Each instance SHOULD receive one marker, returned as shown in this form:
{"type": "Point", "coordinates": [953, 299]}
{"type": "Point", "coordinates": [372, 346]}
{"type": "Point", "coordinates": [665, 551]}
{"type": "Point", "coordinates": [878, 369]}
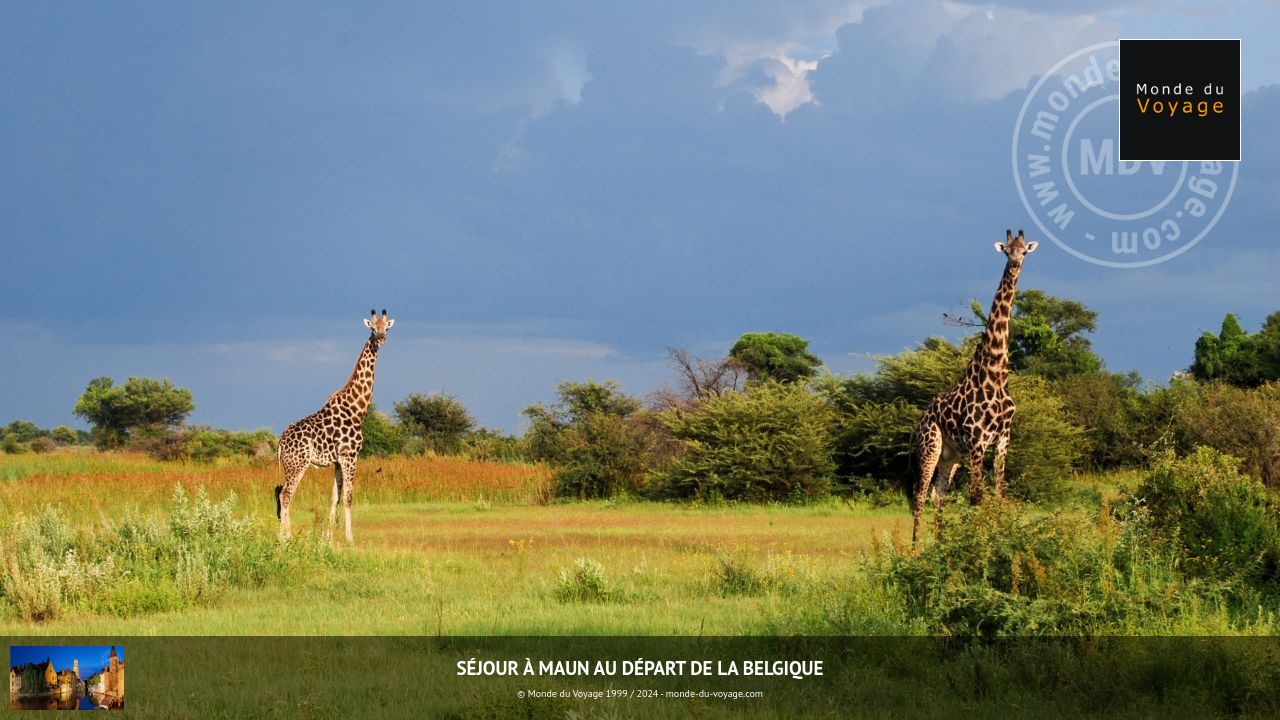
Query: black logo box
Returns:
{"type": "Point", "coordinates": [1187, 68]}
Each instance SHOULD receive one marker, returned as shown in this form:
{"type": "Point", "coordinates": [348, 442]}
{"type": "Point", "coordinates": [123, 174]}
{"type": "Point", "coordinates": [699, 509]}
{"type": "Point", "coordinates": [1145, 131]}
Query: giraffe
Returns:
{"type": "Point", "coordinates": [961, 424]}
{"type": "Point", "coordinates": [332, 435]}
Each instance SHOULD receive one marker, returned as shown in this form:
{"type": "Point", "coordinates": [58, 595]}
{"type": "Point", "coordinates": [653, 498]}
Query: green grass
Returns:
{"type": "Point", "coordinates": [449, 568]}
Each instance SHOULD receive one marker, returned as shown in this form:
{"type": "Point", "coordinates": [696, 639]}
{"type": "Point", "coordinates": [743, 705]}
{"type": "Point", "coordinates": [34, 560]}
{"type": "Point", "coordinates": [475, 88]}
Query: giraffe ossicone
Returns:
{"type": "Point", "coordinates": [976, 415]}
{"type": "Point", "coordinates": [332, 435]}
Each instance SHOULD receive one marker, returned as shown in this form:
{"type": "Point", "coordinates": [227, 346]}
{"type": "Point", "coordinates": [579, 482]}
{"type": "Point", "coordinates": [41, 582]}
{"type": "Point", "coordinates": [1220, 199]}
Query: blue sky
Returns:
{"type": "Point", "coordinates": [549, 191]}
{"type": "Point", "coordinates": [92, 657]}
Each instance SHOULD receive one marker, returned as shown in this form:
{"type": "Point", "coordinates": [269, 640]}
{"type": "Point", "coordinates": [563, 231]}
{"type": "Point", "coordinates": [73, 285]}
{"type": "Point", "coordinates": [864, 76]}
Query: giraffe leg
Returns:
{"type": "Point", "coordinates": [284, 496]}
{"type": "Point", "coordinates": [1002, 449]}
{"type": "Point", "coordinates": [977, 481]}
{"type": "Point", "coordinates": [945, 476]}
{"type": "Point", "coordinates": [348, 489]}
{"type": "Point", "coordinates": [928, 452]}
{"type": "Point", "coordinates": [333, 504]}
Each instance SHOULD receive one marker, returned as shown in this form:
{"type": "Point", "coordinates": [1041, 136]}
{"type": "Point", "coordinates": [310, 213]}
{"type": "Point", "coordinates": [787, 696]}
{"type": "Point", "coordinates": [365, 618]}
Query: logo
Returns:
{"type": "Point", "coordinates": [1082, 196]}
{"type": "Point", "coordinates": [1180, 100]}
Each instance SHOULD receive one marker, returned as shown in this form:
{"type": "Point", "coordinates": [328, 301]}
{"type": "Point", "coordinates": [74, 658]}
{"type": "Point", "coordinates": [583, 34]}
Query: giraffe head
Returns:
{"type": "Point", "coordinates": [1016, 248]}
{"type": "Point", "coordinates": [379, 326]}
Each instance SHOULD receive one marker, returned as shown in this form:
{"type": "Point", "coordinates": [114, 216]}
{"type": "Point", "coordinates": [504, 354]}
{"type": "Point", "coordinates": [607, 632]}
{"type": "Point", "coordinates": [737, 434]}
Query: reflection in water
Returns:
{"type": "Point", "coordinates": [64, 702]}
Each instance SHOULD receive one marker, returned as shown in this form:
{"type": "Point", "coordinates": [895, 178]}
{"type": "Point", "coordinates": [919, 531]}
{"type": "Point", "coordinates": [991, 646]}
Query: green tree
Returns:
{"type": "Point", "coordinates": [141, 403]}
{"type": "Point", "coordinates": [1237, 357]}
{"type": "Point", "coordinates": [64, 435]}
{"type": "Point", "coordinates": [1116, 415]}
{"type": "Point", "coordinates": [596, 438]}
{"type": "Point", "coordinates": [775, 356]}
{"type": "Point", "coordinates": [381, 436]}
{"type": "Point", "coordinates": [440, 420]}
{"type": "Point", "coordinates": [1047, 335]}
{"type": "Point", "coordinates": [24, 431]}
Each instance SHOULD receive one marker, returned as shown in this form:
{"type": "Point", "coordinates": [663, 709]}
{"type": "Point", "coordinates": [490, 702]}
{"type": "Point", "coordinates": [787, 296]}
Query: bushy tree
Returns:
{"type": "Point", "coordinates": [1044, 445]}
{"type": "Point", "coordinates": [1119, 420]}
{"type": "Point", "coordinates": [772, 442]}
{"type": "Point", "coordinates": [875, 413]}
{"type": "Point", "coordinates": [781, 357]}
{"type": "Point", "coordinates": [442, 421]}
{"type": "Point", "coordinates": [1244, 423]}
{"type": "Point", "coordinates": [64, 435]}
{"type": "Point", "coordinates": [116, 411]}
{"type": "Point", "coordinates": [381, 436]}
{"type": "Point", "coordinates": [23, 430]}
{"type": "Point", "coordinates": [597, 439]}
{"type": "Point", "coordinates": [1237, 357]}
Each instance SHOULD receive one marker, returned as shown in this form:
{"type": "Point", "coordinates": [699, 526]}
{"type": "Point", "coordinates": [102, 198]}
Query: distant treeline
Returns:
{"type": "Point", "coordinates": [765, 422]}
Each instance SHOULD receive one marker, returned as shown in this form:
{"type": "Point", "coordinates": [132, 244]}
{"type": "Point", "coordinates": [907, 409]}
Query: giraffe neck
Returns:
{"type": "Point", "coordinates": [357, 394]}
{"type": "Point", "coordinates": [992, 356]}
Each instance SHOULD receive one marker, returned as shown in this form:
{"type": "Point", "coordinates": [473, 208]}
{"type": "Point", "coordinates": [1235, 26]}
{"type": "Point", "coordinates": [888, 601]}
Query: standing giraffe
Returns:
{"type": "Point", "coordinates": [332, 435]}
{"type": "Point", "coordinates": [975, 415]}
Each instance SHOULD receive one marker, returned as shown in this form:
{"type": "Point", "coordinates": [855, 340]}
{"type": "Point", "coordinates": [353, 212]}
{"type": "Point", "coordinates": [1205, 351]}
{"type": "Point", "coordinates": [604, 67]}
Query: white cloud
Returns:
{"type": "Point", "coordinates": [991, 52]}
{"type": "Point", "coordinates": [901, 52]}
{"type": "Point", "coordinates": [790, 88]}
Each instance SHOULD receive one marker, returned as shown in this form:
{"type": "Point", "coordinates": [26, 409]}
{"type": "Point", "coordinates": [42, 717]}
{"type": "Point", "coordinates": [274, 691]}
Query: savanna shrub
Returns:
{"type": "Point", "coordinates": [584, 582]}
{"type": "Point", "coordinates": [11, 445]}
{"type": "Point", "coordinates": [734, 575]}
{"type": "Point", "coordinates": [1221, 523]}
{"type": "Point", "coordinates": [1241, 422]}
{"type": "Point", "coordinates": [1044, 446]}
{"type": "Point", "coordinates": [772, 442]}
{"type": "Point", "coordinates": [205, 444]}
{"type": "Point", "coordinates": [597, 439]}
{"type": "Point", "coordinates": [1003, 569]}
{"type": "Point", "coordinates": [602, 456]}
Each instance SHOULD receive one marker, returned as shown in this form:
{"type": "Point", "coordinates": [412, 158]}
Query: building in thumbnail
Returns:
{"type": "Point", "coordinates": [111, 680]}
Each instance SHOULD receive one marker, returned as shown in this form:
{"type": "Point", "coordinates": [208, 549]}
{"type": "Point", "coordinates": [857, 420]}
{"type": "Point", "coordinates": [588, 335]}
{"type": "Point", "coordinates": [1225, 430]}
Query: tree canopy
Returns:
{"type": "Point", "coordinates": [116, 411]}
{"type": "Point", "coordinates": [781, 357]}
{"type": "Point", "coordinates": [441, 420]}
{"type": "Point", "coordinates": [1238, 357]}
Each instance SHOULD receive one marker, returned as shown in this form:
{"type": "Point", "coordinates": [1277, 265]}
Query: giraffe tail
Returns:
{"type": "Point", "coordinates": [279, 489]}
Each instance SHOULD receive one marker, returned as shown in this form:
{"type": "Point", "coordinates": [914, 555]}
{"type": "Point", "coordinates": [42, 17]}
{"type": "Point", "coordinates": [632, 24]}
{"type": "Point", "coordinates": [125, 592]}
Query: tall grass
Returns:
{"type": "Point", "coordinates": [197, 551]}
{"type": "Point", "coordinates": [75, 461]}
{"type": "Point", "coordinates": [113, 481]}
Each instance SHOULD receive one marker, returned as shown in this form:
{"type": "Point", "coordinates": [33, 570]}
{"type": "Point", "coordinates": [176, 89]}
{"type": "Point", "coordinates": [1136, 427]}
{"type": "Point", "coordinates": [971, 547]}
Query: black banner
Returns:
{"type": "Point", "coordinates": [682, 677]}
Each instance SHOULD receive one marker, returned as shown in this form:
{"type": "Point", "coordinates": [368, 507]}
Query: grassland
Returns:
{"type": "Point", "coordinates": [451, 556]}
{"type": "Point", "coordinates": [446, 546]}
